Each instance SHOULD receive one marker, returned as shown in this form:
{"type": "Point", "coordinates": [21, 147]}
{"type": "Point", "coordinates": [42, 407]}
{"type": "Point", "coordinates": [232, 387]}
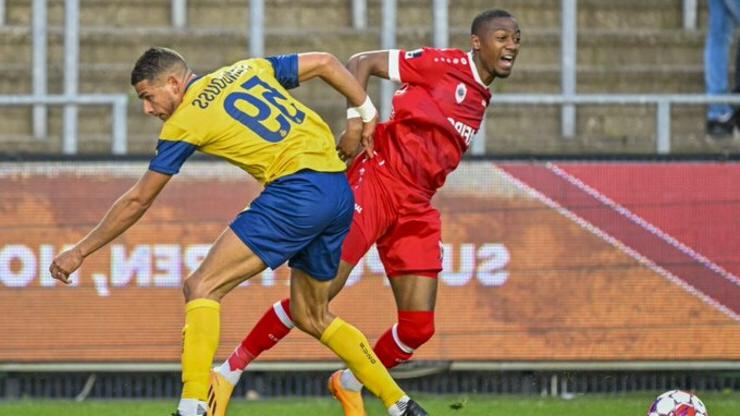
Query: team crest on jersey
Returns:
{"type": "Point", "coordinates": [414, 54]}
{"type": "Point", "coordinates": [460, 92]}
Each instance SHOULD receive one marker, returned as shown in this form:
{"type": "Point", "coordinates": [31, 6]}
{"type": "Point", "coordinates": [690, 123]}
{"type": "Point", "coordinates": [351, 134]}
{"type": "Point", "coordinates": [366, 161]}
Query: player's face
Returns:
{"type": "Point", "coordinates": [497, 47]}
{"type": "Point", "coordinates": [160, 97]}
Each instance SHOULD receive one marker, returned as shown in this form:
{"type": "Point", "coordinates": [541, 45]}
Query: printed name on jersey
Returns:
{"type": "Point", "coordinates": [216, 86]}
{"type": "Point", "coordinates": [460, 92]}
{"type": "Point", "coordinates": [414, 54]}
{"type": "Point", "coordinates": [465, 131]}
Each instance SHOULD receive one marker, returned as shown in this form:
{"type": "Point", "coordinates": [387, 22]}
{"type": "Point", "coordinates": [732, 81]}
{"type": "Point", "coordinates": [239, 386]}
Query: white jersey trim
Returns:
{"type": "Point", "coordinates": [474, 70]}
{"type": "Point", "coordinates": [394, 71]}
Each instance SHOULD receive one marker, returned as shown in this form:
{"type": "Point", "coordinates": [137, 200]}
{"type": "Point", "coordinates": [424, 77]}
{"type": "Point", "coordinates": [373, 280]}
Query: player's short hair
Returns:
{"type": "Point", "coordinates": [480, 21]}
{"type": "Point", "coordinates": [154, 62]}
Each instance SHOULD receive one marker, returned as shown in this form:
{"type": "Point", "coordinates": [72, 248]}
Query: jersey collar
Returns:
{"type": "Point", "coordinates": [192, 81]}
{"type": "Point", "coordinates": [474, 70]}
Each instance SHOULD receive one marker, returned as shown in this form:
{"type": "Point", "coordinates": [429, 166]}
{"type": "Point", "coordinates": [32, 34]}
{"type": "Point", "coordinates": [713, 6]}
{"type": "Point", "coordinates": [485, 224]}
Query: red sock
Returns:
{"type": "Point", "coordinates": [398, 343]}
{"type": "Point", "coordinates": [274, 325]}
{"type": "Point", "coordinates": [389, 352]}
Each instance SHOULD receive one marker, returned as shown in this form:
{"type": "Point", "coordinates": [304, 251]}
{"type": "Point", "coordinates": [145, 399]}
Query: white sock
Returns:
{"type": "Point", "coordinates": [192, 407]}
{"type": "Point", "coordinates": [232, 376]}
{"type": "Point", "coordinates": [349, 381]}
{"type": "Point", "coordinates": [400, 406]}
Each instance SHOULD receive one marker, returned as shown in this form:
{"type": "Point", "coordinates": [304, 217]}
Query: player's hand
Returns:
{"type": "Point", "coordinates": [65, 264]}
{"type": "Point", "coordinates": [368, 129]}
{"type": "Point", "coordinates": [349, 142]}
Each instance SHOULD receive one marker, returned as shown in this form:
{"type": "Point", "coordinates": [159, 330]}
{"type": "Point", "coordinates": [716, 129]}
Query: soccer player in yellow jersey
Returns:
{"type": "Point", "coordinates": [244, 114]}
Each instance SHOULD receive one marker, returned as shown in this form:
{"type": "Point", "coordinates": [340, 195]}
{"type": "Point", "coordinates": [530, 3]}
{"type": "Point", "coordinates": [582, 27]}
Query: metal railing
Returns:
{"type": "Point", "coordinates": [359, 14]}
{"type": "Point", "coordinates": [441, 27]}
{"type": "Point", "coordinates": [256, 28]}
{"type": "Point", "coordinates": [689, 14]}
{"type": "Point", "coordinates": [568, 64]}
{"type": "Point", "coordinates": [662, 101]}
{"type": "Point", "coordinates": [387, 41]}
{"type": "Point", "coordinates": [154, 380]}
{"type": "Point", "coordinates": [119, 102]}
{"type": "Point", "coordinates": [179, 13]}
{"type": "Point", "coordinates": [39, 71]}
{"type": "Point", "coordinates": [71, 72]}
{"type": "Point", "coordinates": [567, 100]}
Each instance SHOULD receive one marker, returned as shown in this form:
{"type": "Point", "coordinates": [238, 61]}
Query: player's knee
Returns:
{"type": "Point", "coordinates": [188, 287]}
{"type": "Point", "coordinates": [193, 288]}
{"type": "Point", "coordinates": [343, 272]}
{"type": "Point", "coordinates": [310, 320]}
{"type": "Point", "coordinates": [416, 328]}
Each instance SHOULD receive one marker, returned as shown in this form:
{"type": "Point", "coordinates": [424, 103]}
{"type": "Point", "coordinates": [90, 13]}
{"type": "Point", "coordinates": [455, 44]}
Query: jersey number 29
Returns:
{"type": "Point", "coordinates": [269, 110]}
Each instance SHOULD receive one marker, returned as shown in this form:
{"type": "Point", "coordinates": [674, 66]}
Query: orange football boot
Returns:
{"type": "Point", "coordinates": [351, 400]}
{"type": "Point", "coordinates": [219, 394]}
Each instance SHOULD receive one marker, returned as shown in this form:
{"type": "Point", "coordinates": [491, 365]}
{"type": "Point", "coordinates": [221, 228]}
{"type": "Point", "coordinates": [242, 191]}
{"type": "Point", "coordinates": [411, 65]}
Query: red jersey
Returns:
{"type": "Point", "coordinates": [436, 113]}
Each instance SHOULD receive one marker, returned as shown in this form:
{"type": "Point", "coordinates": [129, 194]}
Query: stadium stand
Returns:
{"type": "Point", "coordinates": [622, 49]}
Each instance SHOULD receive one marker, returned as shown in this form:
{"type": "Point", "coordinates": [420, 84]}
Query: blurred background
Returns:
{"type": "Point", "coordinates": [592, 235]}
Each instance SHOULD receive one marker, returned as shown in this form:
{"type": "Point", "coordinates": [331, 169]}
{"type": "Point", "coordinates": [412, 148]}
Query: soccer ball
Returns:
{"type": "Point", "coordinates": [677, 403]}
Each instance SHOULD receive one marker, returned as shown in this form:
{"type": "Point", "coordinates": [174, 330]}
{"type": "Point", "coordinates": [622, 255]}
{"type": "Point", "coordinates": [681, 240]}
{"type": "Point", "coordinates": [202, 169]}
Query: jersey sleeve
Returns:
{"type": "Point", "coordinates": [413, 67]}
{"type": "Point", "coordinates": [170, 156]}
{"type": "Point", "coordinates": [176, 144]}
{"type": "Point", "coordinates": [286, 69]}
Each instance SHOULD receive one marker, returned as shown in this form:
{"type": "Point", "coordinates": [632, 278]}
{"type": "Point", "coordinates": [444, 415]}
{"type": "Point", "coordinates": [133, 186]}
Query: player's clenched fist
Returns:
{"type": "Point", "coordinates": [65, 264]}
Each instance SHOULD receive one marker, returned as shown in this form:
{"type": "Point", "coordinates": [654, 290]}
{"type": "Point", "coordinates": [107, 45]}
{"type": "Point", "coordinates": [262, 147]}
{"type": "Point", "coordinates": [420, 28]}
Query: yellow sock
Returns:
{"type": "Point", "coordinates": [200, 341]}
{"type": "Point", "coordinates": [351, 346]}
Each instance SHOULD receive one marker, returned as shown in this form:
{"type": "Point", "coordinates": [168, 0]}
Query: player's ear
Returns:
{"type": "Point", "coordinates": [174, 83]}
{"type": "Point", "coordinates": [475, 42]}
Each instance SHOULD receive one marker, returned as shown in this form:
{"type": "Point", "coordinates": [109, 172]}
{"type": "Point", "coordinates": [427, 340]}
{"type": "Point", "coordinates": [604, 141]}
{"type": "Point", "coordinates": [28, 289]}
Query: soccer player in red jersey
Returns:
{"type": "Point", "coordinates": [436, 113]}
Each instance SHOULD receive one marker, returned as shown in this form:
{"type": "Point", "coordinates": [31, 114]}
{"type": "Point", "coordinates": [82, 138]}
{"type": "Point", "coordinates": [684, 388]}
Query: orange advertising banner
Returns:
{"type": "Point", "coordinates": [541, 262]}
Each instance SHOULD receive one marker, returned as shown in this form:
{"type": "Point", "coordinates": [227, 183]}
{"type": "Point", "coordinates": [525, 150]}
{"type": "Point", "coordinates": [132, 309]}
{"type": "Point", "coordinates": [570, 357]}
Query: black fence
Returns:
{"type": "Point", "coordinates": [267, 384]}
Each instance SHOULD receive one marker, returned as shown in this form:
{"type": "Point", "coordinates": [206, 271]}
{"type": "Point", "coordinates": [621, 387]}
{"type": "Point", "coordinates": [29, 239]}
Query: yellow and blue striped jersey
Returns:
{"type": "Point", "coordinates": [244, 114]}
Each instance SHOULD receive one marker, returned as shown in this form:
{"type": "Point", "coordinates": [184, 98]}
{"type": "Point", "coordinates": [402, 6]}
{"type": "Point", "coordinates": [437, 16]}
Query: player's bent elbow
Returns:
{"type": "Point", "coordinates": [316, 64]}
{"type": "Point", "coordinates": [327, 63]}
{"type": "Point", "coordinates": [327, 58]}
{"type": "Point", "coordinates": [357, 59]}
{"type": "Point", "coordinates": [372, 63]}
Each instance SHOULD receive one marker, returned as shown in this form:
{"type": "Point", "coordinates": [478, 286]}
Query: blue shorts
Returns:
{"type": "Point", "coordinates": [303, 218]}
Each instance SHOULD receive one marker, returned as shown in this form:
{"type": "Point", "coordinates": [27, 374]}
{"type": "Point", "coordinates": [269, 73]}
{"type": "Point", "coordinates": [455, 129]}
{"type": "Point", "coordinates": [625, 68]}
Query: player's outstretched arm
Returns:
{"type": "Point", "coordinates": [327, 67]}
{"type": "Point", "coordinates": [364, 64]}
{"type": "Point", "coordinates": [122, 215]}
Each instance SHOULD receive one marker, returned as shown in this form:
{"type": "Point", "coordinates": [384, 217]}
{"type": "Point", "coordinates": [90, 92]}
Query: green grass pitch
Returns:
{"type": "Point", "coordinates": [727, 404]}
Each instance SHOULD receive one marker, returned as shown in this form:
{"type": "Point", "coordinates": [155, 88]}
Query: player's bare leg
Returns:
{"type": "Point", "coordinates": [350, 397]}
{"type": "Point", "coordinates": [415, 299]}
{"type": "Point", "coordinates": [310, 311]}
{"type": "Point", "coordinates": [273, 326]}
{"type": "Point", "coordinates": [414, 293]}
{"type": "Point", "coordinates": [228, 263]}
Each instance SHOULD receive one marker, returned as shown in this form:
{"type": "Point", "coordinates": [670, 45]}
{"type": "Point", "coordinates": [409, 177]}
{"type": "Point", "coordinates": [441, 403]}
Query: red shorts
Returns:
{"type": "Point", "coordinates": [403, 223]}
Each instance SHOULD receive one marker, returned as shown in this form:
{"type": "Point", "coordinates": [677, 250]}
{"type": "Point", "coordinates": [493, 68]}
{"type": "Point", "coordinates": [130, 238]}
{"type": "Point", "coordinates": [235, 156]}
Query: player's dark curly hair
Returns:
{"type": "Point", "coordinates": [480, 21]}
{"type": "Point", "coordinates": [154, 62]}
